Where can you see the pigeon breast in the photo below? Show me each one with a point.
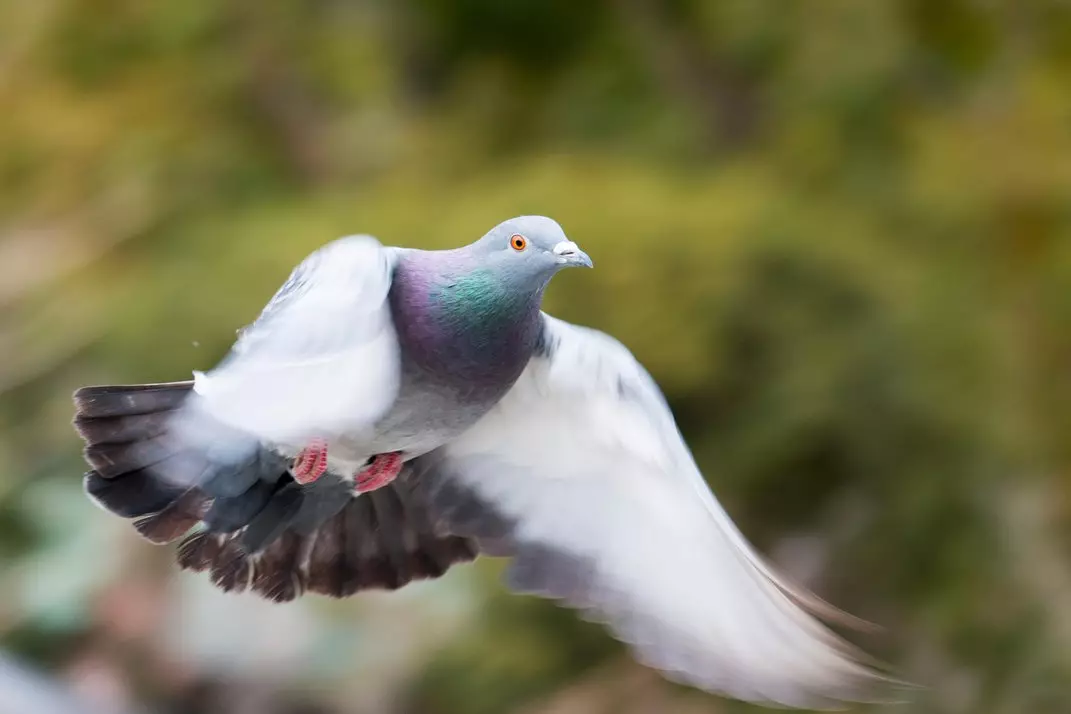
(464, 340)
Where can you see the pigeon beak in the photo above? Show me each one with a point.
(569, 254)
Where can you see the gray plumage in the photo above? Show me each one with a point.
(522, 436)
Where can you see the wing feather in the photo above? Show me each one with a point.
(321, 359)
(582, 475)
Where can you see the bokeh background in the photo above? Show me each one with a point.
(836, 232)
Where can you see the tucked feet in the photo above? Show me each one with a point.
(311, 462)
(383, 469)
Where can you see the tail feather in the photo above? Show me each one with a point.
(125, 400)
(229, 514)
(111, 460)
(198, 551)
(228, 480)
(122, 429)
(381, 540)
(275, 518)
(253, 526)
(139, 471)
(277, 574)
(133, 494)
(232, 569)
(176, 519)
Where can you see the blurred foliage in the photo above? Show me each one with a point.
(836, 233)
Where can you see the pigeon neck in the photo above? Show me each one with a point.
(474, 325)
(482, 299)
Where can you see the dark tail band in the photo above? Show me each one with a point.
(256, 528)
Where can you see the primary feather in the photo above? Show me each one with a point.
(581, 475)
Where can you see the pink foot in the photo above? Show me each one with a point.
(383, 469)
(311, 462)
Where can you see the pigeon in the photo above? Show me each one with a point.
(393, 412)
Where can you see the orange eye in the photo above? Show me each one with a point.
(518, 242)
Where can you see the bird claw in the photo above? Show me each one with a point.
(383, 469)
(310, 463)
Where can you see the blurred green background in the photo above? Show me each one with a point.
(836, 232)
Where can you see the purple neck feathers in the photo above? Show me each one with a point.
(460, 322)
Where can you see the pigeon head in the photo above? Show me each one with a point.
(530, 249)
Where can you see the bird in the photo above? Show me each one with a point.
(392, 412)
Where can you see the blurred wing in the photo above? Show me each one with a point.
(582, 475)
(322, 358)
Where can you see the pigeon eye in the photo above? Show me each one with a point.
(518, 242)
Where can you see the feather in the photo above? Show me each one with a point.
(125, 400)
(227, 515)
(199, 551)
(175, 520)
(231, 569)
(122, 429)
(276, 573)
(273, 520)
(131, 495)
(582, 476)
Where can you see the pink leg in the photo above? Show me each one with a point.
(383, 469)
(311, 462)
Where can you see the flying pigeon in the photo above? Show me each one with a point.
(392, 412)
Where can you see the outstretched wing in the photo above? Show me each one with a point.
(322, 358)
(581, 474)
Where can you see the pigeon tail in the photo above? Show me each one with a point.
(254, 527)
(143, 470)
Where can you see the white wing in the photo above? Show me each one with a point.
(581, 474)
(322, 358)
